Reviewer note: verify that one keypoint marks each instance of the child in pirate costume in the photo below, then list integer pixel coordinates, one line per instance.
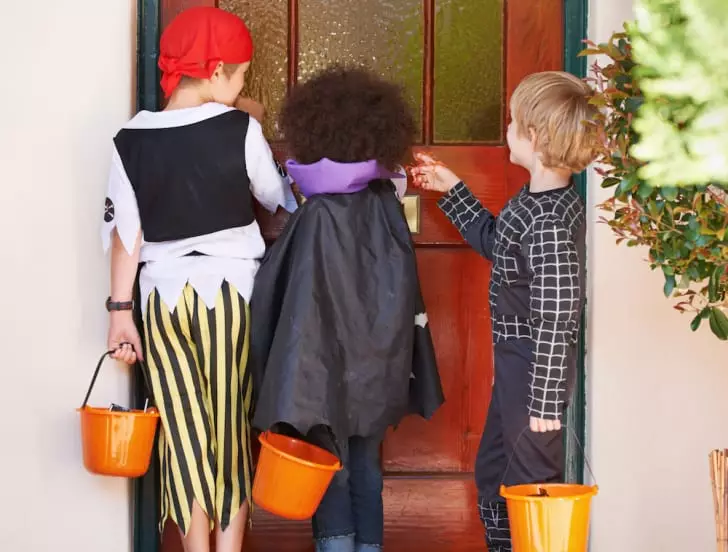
(340, 340)
(536, 245)
(180, 201)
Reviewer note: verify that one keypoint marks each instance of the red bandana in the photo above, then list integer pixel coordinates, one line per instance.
(197, 40)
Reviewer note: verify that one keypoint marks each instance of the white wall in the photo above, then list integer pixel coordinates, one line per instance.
(67, 70)
(657, 392)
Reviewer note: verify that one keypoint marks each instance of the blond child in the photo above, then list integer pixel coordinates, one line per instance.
(536, 245)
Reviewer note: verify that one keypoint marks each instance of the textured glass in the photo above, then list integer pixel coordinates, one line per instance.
(385, 35)
(468, 91)
(267, 80)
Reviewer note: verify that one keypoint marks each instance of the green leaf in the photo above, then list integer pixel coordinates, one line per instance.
(669, 193)
(631, 105)
(644, 191)
(609, 182)
(702, 240)
(691, 233)
(719, 323)
(653, 208)
(669, 285)
(713, 283)
(625, 185)
(599, 101)
(622, 81)
(695, 323)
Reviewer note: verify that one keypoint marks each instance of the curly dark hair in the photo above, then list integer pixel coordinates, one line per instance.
(348, 114)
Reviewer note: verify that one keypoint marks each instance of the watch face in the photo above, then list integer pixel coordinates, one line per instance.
(108, 210)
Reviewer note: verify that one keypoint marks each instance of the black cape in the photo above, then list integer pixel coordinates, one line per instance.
(339, 333)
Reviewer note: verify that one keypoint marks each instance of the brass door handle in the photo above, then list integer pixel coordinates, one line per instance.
(411, 205)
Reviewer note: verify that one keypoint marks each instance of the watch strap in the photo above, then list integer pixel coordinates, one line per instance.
(118, 305)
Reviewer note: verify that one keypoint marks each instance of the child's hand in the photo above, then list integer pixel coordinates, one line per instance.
(255, 109)
(124, 338)
(539, 425)
(430, 174)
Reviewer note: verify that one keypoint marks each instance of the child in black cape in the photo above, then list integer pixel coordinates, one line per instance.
(340, 343)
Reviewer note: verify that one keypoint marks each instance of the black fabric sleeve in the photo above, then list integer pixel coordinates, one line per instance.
(474, 222)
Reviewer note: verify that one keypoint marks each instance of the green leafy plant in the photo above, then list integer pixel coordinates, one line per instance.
(685, 227)
(681, 48)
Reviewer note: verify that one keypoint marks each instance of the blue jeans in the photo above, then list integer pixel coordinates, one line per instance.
(350, 517)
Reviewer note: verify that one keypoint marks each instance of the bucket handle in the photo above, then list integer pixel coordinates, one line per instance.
(147, 383)
(570, 431)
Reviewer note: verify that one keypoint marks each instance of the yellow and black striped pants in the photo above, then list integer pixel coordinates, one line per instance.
(197, 362)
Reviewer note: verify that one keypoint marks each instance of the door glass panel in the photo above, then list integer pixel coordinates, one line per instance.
(385, 35)
(468, 88)
(267, 80)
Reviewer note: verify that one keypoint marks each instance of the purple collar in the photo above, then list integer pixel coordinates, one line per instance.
(330, 177)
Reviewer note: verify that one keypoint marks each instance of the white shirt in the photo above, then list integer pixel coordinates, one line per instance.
(231, 254)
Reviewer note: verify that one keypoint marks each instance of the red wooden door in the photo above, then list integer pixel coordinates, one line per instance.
(459, 62)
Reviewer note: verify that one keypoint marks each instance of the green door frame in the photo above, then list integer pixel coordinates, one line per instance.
(145, 490)
(576, 13)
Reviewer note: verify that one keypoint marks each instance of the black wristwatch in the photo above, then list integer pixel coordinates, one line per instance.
(116, 306)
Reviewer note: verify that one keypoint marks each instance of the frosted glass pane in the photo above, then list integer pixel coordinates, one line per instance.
(385, 35)
(468, 85)
(267, 80)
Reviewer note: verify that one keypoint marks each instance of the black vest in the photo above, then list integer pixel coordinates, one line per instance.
(190, 180)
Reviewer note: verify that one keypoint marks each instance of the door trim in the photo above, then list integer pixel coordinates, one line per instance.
(576, 15)
(144, 489)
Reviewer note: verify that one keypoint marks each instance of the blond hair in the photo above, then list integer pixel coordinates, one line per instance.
(554, 106)
(228, 70)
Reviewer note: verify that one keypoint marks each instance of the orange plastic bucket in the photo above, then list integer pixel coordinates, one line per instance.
(117, 443)
(292, 476)
(557, 521)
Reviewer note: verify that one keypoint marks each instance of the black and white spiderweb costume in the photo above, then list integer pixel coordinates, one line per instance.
(537, 247)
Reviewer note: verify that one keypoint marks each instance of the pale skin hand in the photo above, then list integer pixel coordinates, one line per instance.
(539, 425)
(251, 107)
(431, 175)
(123, 337)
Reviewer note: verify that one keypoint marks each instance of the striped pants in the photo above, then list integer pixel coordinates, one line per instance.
(197, 362)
